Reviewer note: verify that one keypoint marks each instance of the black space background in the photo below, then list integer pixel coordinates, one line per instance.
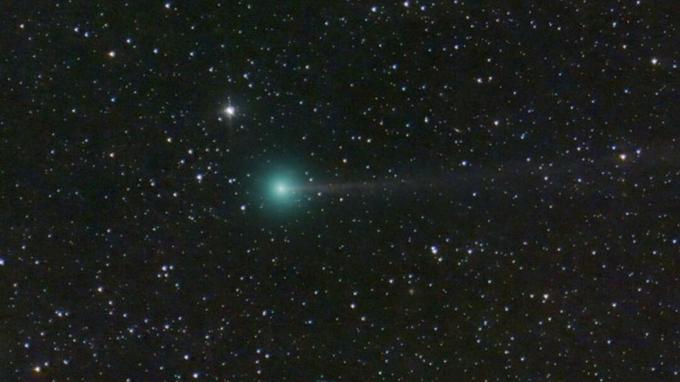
(556, 242)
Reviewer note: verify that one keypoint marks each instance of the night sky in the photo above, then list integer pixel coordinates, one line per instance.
(339, 191)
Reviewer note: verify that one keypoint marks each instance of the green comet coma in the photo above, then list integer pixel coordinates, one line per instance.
(281, 189)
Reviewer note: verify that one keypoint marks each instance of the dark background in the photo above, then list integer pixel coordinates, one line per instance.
(516, 216)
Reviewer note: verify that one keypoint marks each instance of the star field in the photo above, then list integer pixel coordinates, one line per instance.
(340, 191)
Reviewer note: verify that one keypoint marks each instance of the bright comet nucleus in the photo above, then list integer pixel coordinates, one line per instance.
(281, 189)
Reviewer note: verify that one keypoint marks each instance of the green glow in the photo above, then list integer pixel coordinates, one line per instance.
(280, 185)
(280, 189)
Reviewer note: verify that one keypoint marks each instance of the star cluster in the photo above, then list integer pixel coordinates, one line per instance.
(339, 191)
